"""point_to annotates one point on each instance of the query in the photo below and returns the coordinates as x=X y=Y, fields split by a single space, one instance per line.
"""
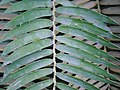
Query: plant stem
x=98 y=5
x=54 y=46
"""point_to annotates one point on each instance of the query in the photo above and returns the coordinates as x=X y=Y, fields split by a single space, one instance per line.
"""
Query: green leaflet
x=5 y=1
x=82 y=72
x=66 y=3
x=76 y=81
x=28 y=4
x=25 y=60
x=28 y=78
x=84 y=46
x=81 y=33
x=81 y=24
x=84 y=64
x=62 y=86
x=40 y=85
x=2 y=89
x=95 y=22
x=84 y=55
x=84 y=13
x=101 y=25
x=29 y=16
x=28 y=49
x=27 y=27
x=28 y=68
x=27 y=38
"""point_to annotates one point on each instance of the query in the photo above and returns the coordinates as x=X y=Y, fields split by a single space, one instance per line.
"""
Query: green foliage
x=30 y=62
